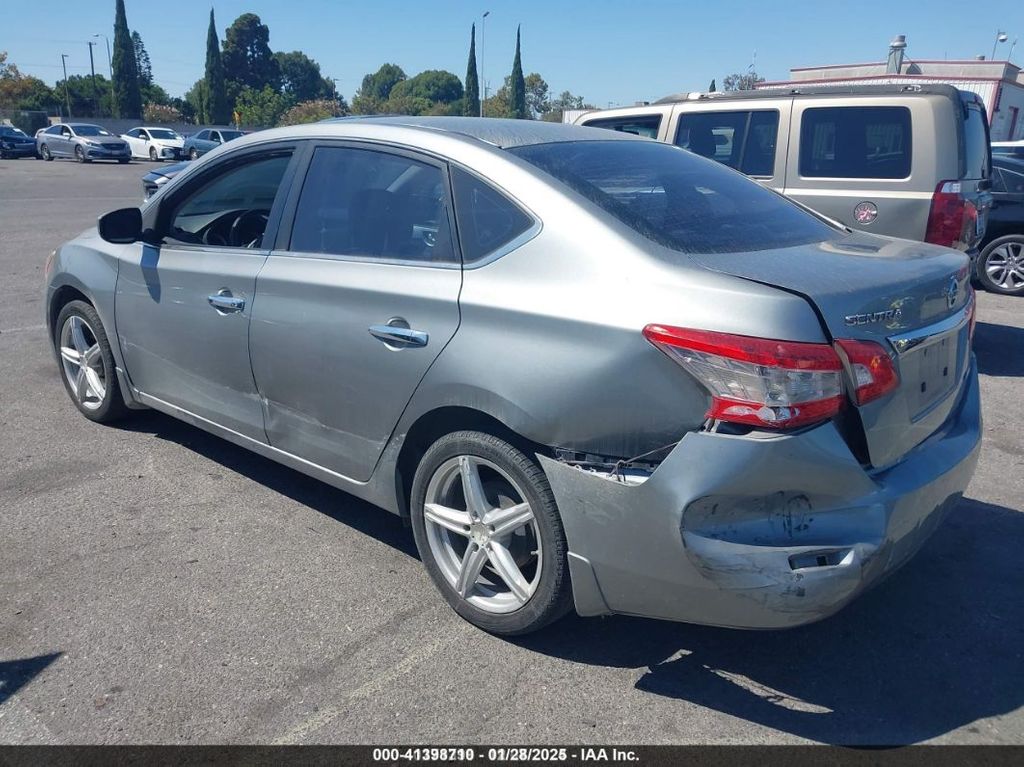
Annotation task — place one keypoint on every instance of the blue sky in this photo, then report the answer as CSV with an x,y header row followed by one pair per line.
x,y
617,52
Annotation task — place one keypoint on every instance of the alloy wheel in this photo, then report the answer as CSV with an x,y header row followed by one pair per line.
x,y
79,154
82,361
1005,266
483,534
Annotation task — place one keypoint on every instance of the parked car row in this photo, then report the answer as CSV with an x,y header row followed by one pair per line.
x,y
769,415
86,142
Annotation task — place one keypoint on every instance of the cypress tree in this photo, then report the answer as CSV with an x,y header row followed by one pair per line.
x,y
471,100
218,110
127,95
517,86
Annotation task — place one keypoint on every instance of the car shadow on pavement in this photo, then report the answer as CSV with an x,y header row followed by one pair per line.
x,y
15,674
997,349
934,648
336,504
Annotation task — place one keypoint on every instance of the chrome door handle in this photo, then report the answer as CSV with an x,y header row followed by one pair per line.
x,y
225,303
397,337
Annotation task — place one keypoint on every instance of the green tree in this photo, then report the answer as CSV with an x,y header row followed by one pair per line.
x,y
537,102
565,100
517,87
216,108
433,85
127,97
262,108
745,81
248,60
314,111
471,101
142,62
8,71
154,94
378,84
198,99
83,98
301,79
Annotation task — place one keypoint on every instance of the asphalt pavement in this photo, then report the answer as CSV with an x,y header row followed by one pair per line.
x,y
160,585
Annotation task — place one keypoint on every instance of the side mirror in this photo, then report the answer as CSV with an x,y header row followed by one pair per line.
x,y
121,227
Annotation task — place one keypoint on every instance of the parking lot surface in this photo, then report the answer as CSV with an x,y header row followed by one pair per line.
x,y
160,585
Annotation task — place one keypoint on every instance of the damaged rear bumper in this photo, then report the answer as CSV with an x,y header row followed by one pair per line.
x,y
758,532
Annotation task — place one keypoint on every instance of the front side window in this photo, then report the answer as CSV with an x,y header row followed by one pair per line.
x,y
364,203
855,142
675,199
638,125
487,219
744,140
232,208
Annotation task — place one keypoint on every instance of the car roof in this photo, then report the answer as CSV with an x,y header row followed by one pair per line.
x,y
796,89
499,132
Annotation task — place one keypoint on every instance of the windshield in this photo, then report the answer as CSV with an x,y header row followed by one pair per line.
x,y
90,130
163,133
676,198
227,135
6,130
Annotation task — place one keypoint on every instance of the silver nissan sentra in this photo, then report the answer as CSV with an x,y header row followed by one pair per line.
x,y
591,370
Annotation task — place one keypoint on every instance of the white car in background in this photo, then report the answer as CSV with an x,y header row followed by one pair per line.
x,y
156,144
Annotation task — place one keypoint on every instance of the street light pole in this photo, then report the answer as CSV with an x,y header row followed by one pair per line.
x,y
110,71
92,68
483,80
1001,37
67,96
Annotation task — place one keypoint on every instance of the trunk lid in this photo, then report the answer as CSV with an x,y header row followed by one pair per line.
x,y
910,297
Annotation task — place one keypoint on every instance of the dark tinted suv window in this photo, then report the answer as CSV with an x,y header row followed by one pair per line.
x,y
676,199
487,219
855,142
976,144
742,140
358,202
638,125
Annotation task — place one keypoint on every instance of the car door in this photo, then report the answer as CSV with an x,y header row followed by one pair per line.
x,y
355,303
141,146
183,306
65,142
135,141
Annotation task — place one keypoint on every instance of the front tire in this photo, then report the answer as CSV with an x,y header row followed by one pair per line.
x,y
1000,266
193,154
489,534
152,154
80,154
44,151
87,363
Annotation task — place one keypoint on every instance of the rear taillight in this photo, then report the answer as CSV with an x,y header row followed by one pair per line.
x,y
757,381
953,219
871,368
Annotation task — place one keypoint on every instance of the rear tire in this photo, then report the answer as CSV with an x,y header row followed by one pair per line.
x,y
87,363
521,579
1000,266
193,154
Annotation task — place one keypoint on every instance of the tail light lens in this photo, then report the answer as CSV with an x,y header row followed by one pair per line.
x,y
871,367
952,220
757,381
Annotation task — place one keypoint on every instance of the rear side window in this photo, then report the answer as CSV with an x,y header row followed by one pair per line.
x,y
487,219
855,142
369,204
744,140
639,125
1007,181
976,146
675,199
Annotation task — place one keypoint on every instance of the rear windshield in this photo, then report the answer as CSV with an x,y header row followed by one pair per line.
x,y
676,198
976,149
163,133
228,135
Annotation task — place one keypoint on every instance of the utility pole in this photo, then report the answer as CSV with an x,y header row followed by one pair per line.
x,y
110,70
95,93
67,96
483,80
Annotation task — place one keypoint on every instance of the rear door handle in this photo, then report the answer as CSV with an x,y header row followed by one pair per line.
x,y
397,334
226,303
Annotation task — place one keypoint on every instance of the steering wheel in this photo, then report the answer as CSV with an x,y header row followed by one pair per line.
x,y
212,237
237,236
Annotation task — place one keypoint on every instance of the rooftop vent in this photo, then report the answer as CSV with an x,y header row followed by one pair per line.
x,y
897,48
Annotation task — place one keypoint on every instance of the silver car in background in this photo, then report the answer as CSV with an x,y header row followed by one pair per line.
x,y
82,142
591,370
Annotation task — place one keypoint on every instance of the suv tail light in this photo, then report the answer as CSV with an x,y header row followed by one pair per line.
x,y
953,219
871,368
757,381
